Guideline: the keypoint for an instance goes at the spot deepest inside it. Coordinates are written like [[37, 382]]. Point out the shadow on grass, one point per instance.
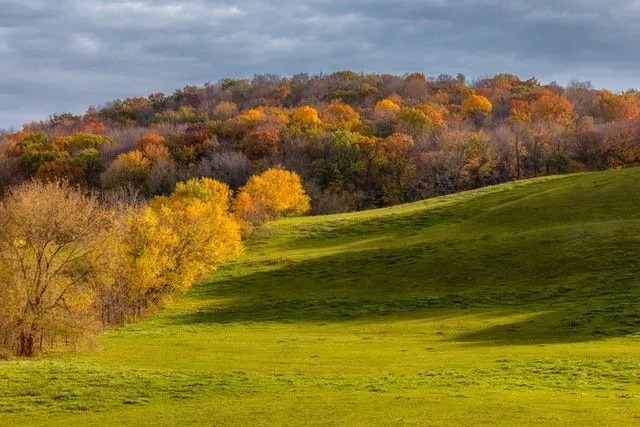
[[583, 296], [593, 319]]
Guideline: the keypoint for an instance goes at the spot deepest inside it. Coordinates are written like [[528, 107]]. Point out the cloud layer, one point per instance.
[[65, 55]]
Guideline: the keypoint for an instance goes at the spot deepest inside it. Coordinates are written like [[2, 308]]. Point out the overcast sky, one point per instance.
[[64, 55]]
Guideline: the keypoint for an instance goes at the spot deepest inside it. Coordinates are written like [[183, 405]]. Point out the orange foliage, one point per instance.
[[435, 113], [284, 90], [552, 108], [150, 140], [94, 127], [156, 152], [520, 111], [618, 107], [416, 76]]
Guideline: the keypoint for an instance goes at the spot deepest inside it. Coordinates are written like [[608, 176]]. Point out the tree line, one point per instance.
[[357, 140]]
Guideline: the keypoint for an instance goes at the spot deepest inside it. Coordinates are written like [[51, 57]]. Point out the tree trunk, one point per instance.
[[25, 345]]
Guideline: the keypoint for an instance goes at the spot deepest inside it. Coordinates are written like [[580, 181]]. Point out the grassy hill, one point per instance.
[[512, 304]]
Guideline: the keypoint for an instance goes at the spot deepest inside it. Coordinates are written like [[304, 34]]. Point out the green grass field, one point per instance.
[[514, 304]]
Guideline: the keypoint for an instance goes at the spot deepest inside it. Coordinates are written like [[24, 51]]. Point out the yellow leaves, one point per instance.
[[19, 243], [177, 239], [520, 111], [274, 193], [252, 116], [435, 113], [475, 105], [50, 260], [341, 116], [133, 160], [132, 167], [305, 116], [304, 120], [206, 190], [385, 107]]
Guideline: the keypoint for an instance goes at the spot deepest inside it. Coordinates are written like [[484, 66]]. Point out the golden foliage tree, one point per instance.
[[51, 264], [619, 107], [476, 106], [272, 194], [341, 117], [168, 246], [132, 167], [386, 107], [304, 121]]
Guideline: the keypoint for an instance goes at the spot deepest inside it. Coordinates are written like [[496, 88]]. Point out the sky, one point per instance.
[[65, 55]]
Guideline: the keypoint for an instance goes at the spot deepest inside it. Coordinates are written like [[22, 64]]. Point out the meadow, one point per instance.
[[512, 304]]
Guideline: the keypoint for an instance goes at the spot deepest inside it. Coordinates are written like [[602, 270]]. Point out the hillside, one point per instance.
[[510, 304]]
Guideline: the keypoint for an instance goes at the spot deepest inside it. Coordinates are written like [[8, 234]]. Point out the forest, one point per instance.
[[107, 215], [357, 140]]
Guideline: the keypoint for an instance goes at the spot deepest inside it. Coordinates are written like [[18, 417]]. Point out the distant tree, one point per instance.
[[263, 141], [230, 167], [476, 106], [128, 168], [552, 108], [225, 110], [411, 121], [341, 117]]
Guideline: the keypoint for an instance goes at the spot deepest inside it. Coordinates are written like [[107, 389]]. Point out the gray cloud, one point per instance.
[[65, 55]]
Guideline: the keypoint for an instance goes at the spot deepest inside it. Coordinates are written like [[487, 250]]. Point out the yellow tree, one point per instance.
[[169, 245], [274, 193], [304, 120], [341, 117], [476, 106], [127, 168], [386, 107], [435, 113], [51, 264]]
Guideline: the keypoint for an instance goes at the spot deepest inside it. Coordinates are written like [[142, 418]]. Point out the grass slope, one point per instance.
[[512, 304]]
